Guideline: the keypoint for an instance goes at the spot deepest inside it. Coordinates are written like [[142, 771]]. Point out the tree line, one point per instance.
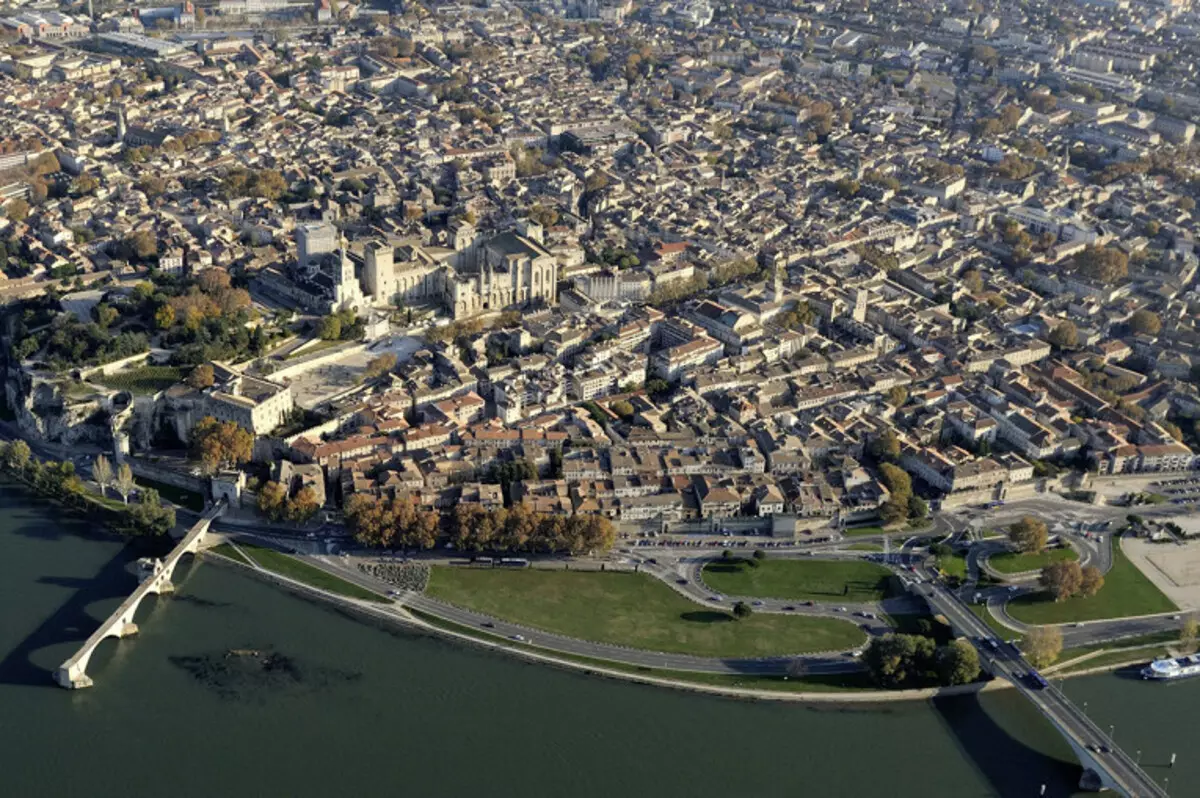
[[902, 660], [518, 529], [58, 481]]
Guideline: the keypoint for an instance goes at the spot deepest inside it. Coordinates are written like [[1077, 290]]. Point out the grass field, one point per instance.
[[953, 565], [1126, 592], [1002, 631], [633, 610], [143, 380], [864, 547], [181, 496], [810, 683], [816, 580], [1011, 562], [226, 550], [861, 531], [303, 572]]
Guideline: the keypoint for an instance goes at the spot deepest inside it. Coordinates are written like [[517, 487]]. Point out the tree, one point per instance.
[[897, 660], [272, 499], [302, 506], [16, 209], [1042, 645], [885, 447], [221, 443], [898, 482], [1091, 581], [957, 663], [1103, 264], [102, 472], [894, 510], [917, 507], [150, 516], [124, 483], [897, 395], [214, 280], [1061, 579], [759, 554], [973, 281], [741, 610], [330, 328], [846, 187], [201, 377], [17, 456], [379, 366], [1064, 336], [141, 244], [622, 408], [1029, 535], [1189, 634], [1145, 322], [164, 317]]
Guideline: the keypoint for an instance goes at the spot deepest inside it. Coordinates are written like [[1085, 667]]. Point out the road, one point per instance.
[[345, 568], [1006, 662]]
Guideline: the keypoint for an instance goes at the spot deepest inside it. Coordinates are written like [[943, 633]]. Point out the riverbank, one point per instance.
[[810, 688], [848, 688]]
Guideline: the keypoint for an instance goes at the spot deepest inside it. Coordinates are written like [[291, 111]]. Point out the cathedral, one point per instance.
[[479, 275]]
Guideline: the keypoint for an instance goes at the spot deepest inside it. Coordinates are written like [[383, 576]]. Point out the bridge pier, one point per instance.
[[156, 579]]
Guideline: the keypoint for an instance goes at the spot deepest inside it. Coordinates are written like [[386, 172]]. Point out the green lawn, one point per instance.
[[181, 496], [854, 681], [281, 563], [953, 565], [226, 550], [1126, 592], [1113, 658], [1002, 631], [864, 547], [633, 610], [142, 380], [810, 579], [1012, 562], [861, 531]]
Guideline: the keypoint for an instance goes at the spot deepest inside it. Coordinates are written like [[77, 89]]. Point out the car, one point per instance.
[[841, 609], [393, 592], [681, 581], [488, 625], [714, 598], [518, 638], [1174, 617], [652, 560], [789, 608], [757, 603], [810, 603]]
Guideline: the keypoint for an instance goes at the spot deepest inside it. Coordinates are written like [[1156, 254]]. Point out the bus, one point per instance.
[[1037, 682]]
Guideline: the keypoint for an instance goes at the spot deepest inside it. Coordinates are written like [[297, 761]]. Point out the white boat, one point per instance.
[[1173, 668]]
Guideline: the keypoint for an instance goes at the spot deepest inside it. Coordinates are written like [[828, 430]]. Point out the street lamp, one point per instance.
[[1110, 731]]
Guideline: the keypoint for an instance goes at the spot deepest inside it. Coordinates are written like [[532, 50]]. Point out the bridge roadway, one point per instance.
[[1105, 765], [72, 674]]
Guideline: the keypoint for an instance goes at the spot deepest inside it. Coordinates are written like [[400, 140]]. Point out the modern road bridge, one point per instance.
[[1105, 766], [72, 674]]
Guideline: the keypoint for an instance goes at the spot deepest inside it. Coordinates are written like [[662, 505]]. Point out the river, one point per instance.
[[349, 708]]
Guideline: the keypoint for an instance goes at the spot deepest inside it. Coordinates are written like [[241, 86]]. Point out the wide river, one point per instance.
[[352, 709]]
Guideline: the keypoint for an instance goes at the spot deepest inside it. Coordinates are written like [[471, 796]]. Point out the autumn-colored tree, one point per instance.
[[102, 472], [124, 483], [221, 443], [1061, 579], [302, 506], [1029, 534], [1091, 581], [378, 366], [201, 377], [272, 499], [1042, 645], [213, 279]]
